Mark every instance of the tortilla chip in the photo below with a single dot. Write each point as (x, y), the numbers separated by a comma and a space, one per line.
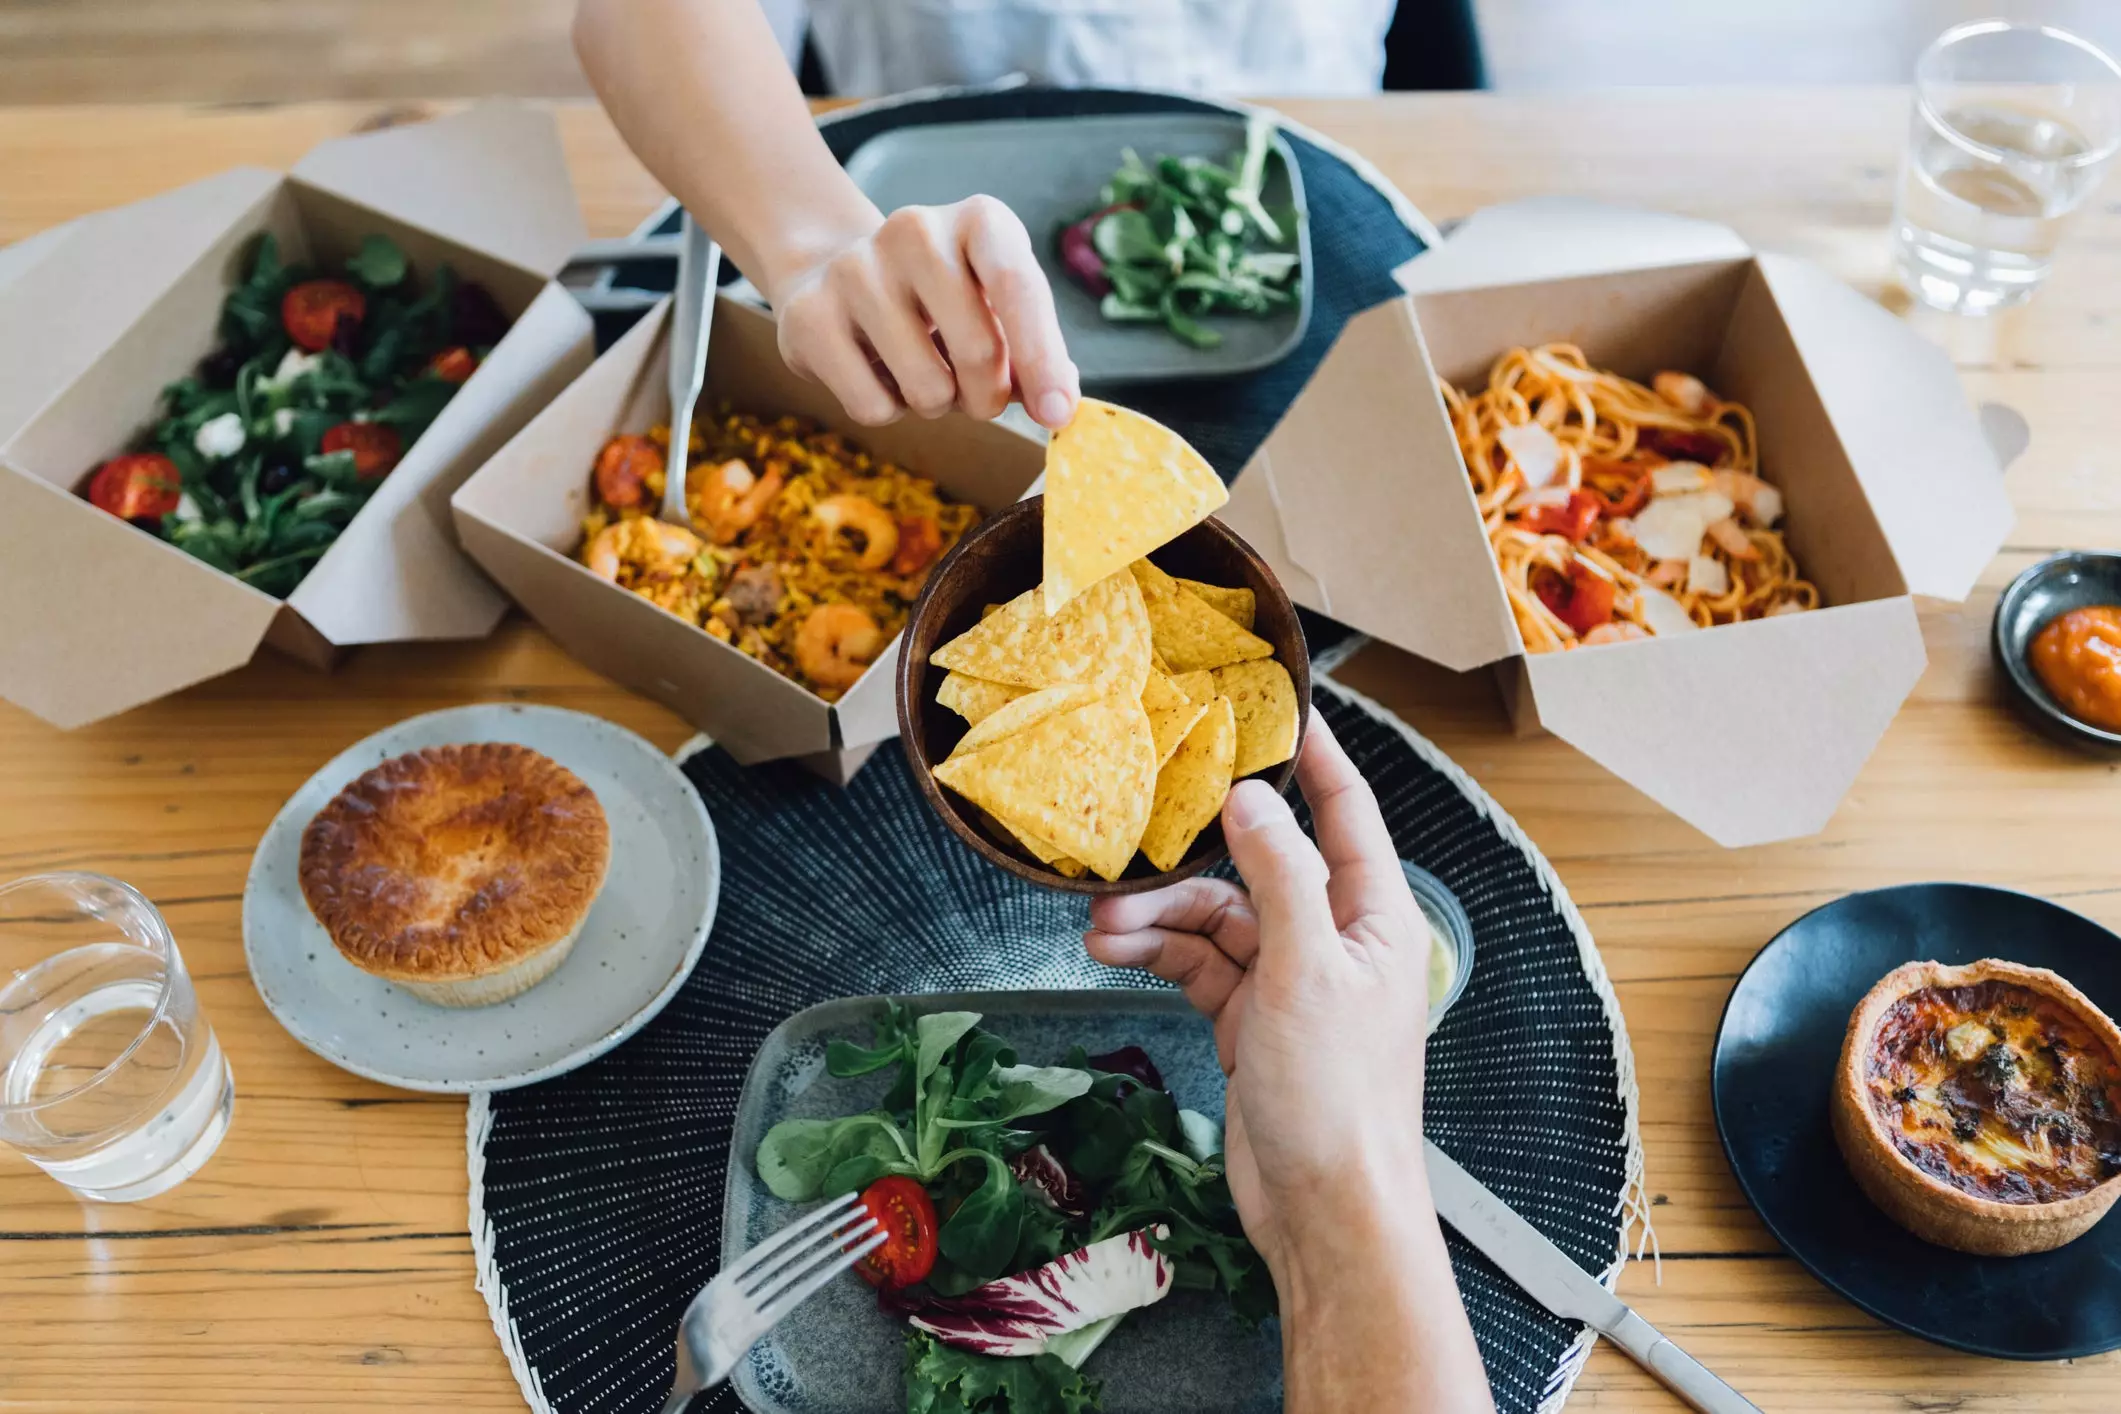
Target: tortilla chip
(1156, 661)
(1191, 786)
(1082, 779)
(1171, 714)
(1239, 606)
(1198, 685)
(1044, 851)
(1264, 699)
(1117, 486)
(1026, 711)
(1101, 639)
(990, 610)
(1186, 631)
(974, 698)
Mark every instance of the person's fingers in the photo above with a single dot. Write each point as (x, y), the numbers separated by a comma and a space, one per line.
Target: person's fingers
(1286, 877)
(818, 342)
(893, 326)
(1199, 968)
(999, 251)
(1352, 837)
(918, 250)
(1216, 909)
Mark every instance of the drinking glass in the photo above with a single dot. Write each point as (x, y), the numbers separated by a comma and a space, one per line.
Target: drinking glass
(111, 1080)
(2013, 127)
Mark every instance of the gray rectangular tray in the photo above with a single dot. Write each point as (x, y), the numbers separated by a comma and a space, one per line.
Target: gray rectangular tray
(1048, 171)
(839, 1354)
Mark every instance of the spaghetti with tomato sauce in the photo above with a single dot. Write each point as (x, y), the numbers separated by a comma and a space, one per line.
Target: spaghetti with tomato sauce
(1619, 511)
(1998, 1091)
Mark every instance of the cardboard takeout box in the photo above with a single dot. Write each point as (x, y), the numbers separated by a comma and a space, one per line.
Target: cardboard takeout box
(520, 516)
(97, 616)
(1754, 731)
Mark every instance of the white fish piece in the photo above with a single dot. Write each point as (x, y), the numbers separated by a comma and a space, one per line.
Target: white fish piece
(1664, 614)
(1538, 456)
(1705, 574)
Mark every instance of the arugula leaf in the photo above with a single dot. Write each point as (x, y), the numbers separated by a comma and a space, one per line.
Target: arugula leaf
(893, 1044)
(420, 404)
(941, 1379)
(378, 264)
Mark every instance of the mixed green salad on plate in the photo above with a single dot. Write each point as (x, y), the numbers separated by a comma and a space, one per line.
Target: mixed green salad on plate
(321, 381)
(1176, 239)
(1029, 1208)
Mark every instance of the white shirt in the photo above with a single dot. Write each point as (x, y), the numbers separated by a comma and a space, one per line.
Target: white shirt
(1222, 47)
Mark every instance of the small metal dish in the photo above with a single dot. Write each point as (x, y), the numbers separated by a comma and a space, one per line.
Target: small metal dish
(1453, 931)
(2075, 579)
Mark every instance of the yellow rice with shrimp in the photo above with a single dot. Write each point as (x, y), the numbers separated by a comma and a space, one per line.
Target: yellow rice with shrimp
(805, 552)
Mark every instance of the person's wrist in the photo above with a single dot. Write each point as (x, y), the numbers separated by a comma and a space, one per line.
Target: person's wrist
(1370, 1209)
(787, 256)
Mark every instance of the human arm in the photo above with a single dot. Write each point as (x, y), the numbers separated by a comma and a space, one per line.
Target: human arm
(1316, 981)
(932, 308)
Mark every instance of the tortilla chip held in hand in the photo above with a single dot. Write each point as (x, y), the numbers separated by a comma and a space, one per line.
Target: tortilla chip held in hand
(1191, 786)
(1118, 485)
(1080, 780)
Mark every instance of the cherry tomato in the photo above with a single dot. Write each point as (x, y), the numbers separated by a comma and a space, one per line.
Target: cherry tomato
(312, 310)
(453, 365)
(376, 447)
(622, 470)
(1583, 601)
(1573, 519)
(137, 486)
(1703, 447)
(901, 1205)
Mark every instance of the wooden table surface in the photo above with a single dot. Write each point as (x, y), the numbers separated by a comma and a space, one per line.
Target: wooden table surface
(321, 1260)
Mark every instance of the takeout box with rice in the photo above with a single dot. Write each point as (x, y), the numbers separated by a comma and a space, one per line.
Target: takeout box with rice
(278, 380)
(772, 621)
(1678, 493)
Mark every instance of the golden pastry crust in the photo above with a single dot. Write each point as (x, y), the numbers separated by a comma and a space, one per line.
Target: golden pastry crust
(1980, 1106)
(455, 862)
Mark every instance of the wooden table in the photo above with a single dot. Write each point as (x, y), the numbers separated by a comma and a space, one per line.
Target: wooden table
(321, 1260)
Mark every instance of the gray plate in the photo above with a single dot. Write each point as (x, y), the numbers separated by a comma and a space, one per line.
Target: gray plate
(839, 1354)
(2074, 579)
(1048, 171)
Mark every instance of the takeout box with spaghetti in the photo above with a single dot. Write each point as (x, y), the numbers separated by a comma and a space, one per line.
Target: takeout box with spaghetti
(772, 623)
(1703, 582)
(233, 413)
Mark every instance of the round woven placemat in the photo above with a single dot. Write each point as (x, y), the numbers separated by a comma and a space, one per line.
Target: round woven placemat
(596, 1198)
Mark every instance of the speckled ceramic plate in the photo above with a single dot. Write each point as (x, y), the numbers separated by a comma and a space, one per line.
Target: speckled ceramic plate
(638, 946)
(839, 1354)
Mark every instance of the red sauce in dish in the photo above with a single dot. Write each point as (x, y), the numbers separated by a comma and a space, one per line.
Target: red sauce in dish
(2078, 658)
(1997, 1090)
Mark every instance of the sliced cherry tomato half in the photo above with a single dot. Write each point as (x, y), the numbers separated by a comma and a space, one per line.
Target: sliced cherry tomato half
(453, 365)
(622, 470)
(137, 486)
(376, 447)
(1704, 447)
(1573, 519)
(1629, 501)
(901, 1206)
(1583, 600)
(312, 310)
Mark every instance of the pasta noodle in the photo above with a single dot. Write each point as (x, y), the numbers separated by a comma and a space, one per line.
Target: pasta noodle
(1618, 511)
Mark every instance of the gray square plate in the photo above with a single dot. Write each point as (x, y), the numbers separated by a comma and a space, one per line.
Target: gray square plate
(839, 1354)
(1048, 171)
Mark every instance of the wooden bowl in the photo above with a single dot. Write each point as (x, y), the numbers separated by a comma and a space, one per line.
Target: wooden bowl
(1000, 559)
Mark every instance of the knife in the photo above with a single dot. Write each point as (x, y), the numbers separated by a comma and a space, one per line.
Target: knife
(1552, 1278)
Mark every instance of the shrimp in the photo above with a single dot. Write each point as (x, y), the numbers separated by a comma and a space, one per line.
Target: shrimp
(1732, 539)
(641, 542)
(1685, 392)
(1614, 631)
(836, 644)
(878, 532)
(728, 499)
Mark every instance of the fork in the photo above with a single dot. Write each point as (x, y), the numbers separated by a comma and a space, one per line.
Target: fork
(750, 1298)
(691, 322)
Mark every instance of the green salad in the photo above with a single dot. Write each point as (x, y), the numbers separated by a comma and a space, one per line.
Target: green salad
(1028, 1208)
(1173, 240)
(264, 454)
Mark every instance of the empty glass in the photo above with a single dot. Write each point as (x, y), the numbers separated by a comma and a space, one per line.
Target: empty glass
(2013, 127)
(111, 1080)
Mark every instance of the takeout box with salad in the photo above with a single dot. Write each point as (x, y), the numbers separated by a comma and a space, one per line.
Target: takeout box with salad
(233, 413)
(1680, 494)
(772, 622)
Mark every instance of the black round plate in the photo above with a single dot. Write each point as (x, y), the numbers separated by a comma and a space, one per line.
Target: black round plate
(1775, 1055)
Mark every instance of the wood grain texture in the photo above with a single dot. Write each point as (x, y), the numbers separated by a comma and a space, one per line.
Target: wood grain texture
(321, 1261)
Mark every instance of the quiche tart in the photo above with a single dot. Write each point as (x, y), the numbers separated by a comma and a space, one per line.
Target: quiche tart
(462, 874)
(1980, 1106)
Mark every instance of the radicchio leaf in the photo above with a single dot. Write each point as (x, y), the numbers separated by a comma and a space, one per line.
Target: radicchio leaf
(1048, 1181)
(1018, 1315)
(1130, 1061)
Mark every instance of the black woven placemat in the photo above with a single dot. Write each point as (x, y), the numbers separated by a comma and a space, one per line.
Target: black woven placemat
(597, 1197)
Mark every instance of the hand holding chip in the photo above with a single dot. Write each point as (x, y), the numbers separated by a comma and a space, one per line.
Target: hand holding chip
(1315, 977)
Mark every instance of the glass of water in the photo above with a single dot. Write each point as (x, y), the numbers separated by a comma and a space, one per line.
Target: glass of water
(2013, 127)
(111, 1080)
